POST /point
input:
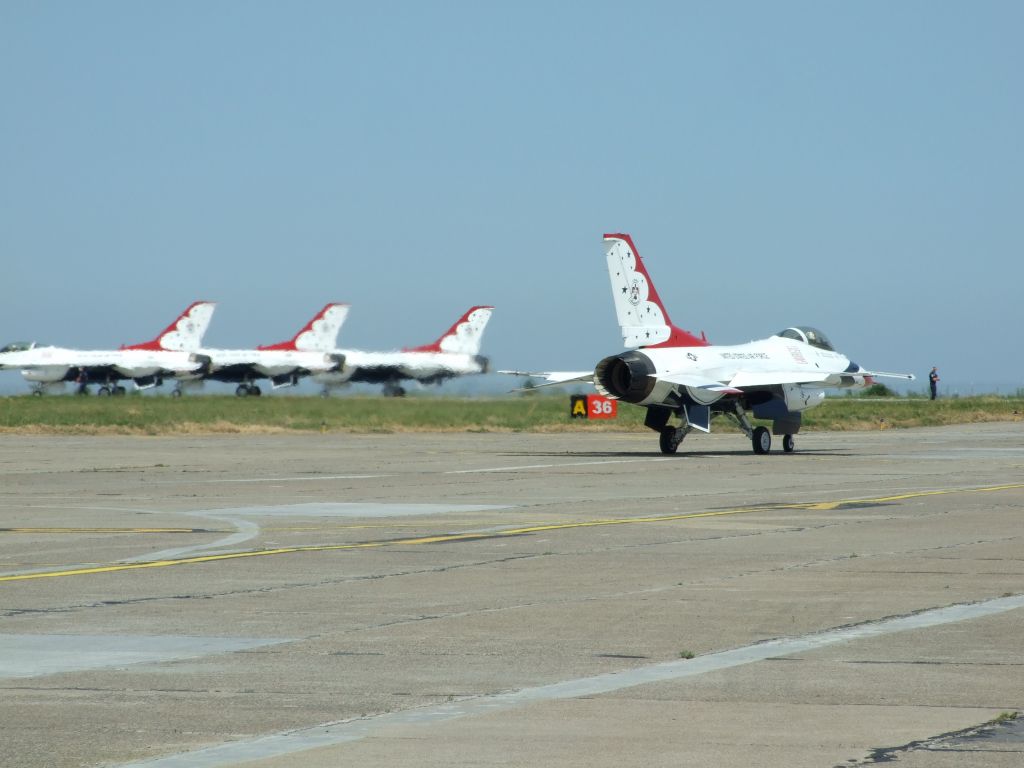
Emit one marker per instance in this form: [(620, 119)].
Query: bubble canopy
[(808, 335)]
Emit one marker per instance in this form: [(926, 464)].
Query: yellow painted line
[(452, 537)]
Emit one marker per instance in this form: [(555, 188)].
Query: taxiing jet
[(169, 355), (310, 351), (455, 353), (683, 380)]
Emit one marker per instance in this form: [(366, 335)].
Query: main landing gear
[(112, 389), (393, 389), (245, 390), (761, 437), (670, 437)]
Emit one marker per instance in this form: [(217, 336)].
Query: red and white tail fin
[(318, 335), (184, 334), (464, 336), (642, 316)]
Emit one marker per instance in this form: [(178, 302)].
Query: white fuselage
[(394, 366), (53, 364), (269, 362), (797, 370)]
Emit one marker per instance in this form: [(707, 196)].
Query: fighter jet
[(169, 355), (683, 380), (310, 351), (455, 353)]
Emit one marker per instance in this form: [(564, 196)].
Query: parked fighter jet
[(455, 353), (169, 355), (683, 380), (310, 351)]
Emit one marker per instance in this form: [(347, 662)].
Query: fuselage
[(269, 363), (53, 364), (379, 367), (651, 375)]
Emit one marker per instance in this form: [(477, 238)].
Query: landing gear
[(37, 393), (670, 437), (176, 392), (119, 391), (762, 440), (244, 390), (103, 391), (393, 390), (325, 393), (787, 444)]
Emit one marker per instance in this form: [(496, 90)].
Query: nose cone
[(628, 376)]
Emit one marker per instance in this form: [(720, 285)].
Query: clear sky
[(854, 166)]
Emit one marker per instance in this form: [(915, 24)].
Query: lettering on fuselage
[(745, 356)]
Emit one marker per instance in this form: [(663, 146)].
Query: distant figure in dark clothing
[(81, 380), (933, 382)]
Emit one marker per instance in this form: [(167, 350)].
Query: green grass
[(536, 413)]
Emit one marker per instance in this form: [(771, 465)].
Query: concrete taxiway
[(563, 600)]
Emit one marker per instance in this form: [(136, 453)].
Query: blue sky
[(854, 166)]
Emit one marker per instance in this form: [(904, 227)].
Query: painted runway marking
[(36, 655), (471, 536), (109, 530), (550, 466), (293, 479), (333, 734)]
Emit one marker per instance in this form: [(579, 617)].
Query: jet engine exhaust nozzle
[(628, 376)]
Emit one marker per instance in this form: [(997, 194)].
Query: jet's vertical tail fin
[(642, 316), (184, 334), (318, 335), (464, 336)]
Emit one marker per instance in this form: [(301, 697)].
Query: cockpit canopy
[(18, 346), (808, 335)]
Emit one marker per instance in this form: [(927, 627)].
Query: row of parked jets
[(681, 379), (178, 354)]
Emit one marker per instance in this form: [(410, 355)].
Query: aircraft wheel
[(103, 391), (175, 393), (255, 391), (119, 391), (787, 443), (242, 390), (668, 441), (762, 440), (37, 393), (324, 393)]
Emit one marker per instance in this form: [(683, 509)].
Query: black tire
[(242, 390), (119, 391), (788, 445), (667, 440), (762, 440), (255, 391), (103, 391), (175, 393), (37, 393)]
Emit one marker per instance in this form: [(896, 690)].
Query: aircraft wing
[(699, 382), (554, 378), (886, 375), (769, 378)]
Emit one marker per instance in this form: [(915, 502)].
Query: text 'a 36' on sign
[(593, 407)]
